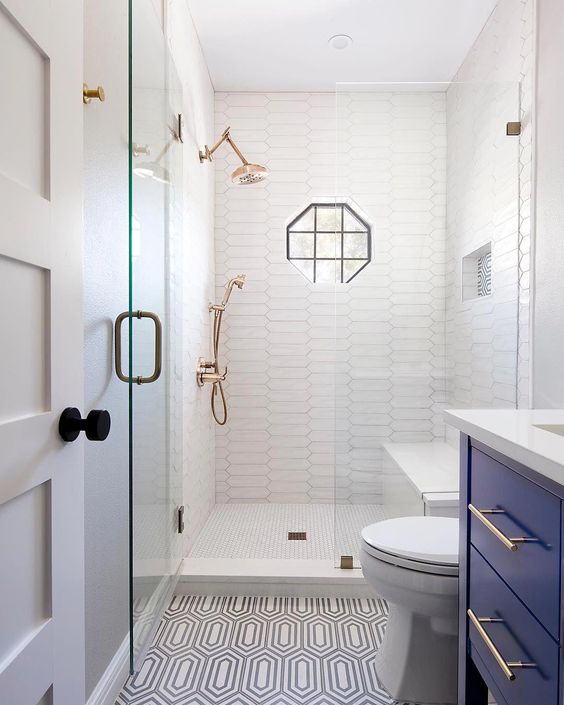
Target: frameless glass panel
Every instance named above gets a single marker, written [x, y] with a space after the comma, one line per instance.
[431, 320]
[155, 404]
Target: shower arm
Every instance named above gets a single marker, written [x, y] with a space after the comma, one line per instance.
[207, 153]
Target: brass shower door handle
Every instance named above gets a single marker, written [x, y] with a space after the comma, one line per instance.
[158, 346]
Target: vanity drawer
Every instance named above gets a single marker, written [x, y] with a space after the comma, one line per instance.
[522, 510]
[518, 637]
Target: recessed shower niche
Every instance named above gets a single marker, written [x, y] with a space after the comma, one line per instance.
[477, 273]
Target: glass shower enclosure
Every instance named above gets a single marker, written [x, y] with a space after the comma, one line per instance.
[432, 321]
[151, 326]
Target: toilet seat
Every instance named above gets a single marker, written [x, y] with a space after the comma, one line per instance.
[424, 544]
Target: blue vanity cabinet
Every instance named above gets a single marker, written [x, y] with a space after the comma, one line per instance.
[510, 622]
[516, 634]
[524, 510]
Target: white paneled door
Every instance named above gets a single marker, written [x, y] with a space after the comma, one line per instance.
[41, 478]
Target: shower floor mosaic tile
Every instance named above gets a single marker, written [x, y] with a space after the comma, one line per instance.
[241, 531]
[263, 651]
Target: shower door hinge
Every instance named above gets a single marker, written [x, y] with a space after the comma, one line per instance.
[180, 517]
[347, 563]
[180, 127]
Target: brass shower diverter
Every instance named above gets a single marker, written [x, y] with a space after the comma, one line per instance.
[203, 376]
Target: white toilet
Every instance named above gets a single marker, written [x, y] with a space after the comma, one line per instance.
[412, 562]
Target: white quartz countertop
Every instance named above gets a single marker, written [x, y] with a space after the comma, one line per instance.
[515, 434]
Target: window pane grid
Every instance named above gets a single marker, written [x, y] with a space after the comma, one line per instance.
[346, 242]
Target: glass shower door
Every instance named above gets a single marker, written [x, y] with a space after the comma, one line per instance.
[154, 326]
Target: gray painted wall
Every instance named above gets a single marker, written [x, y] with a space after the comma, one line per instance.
[548, 325]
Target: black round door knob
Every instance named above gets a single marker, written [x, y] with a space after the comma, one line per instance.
[96, 425]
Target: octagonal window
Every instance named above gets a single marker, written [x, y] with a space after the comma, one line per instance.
[329, 243]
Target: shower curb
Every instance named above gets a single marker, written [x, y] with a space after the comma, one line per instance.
[270, 578]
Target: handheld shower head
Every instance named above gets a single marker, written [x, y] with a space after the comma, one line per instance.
[238, 281]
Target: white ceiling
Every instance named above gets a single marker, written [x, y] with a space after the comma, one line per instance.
[276, 45]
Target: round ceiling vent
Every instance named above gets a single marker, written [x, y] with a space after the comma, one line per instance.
[340, 42]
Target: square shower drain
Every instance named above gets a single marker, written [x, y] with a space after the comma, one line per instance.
[297, 536]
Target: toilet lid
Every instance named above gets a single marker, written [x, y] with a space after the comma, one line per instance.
[428, 539]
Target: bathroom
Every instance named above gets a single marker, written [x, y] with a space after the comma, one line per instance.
[302, 294]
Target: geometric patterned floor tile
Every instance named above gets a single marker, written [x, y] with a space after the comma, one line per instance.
[262, 651]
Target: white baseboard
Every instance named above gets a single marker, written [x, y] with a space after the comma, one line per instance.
[113, 678]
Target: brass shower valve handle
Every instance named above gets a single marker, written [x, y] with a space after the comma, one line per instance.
[205, 377]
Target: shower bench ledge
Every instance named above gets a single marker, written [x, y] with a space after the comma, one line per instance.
[431, 470]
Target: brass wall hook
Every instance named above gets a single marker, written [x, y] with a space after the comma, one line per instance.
[89, 93]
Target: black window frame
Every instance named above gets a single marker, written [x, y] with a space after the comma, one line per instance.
[343, 206]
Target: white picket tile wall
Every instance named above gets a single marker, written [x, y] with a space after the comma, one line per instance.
[314, 369]
[320, 376]
[489, 199]
[198, 436]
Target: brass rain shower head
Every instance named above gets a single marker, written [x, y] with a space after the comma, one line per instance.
[247, 173]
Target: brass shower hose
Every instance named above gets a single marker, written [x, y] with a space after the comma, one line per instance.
[217, 386]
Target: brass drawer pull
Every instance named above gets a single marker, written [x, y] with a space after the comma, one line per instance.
[158, 346]
[505, 666]
[510, 543]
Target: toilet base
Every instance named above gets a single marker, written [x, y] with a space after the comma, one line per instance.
[426, 671]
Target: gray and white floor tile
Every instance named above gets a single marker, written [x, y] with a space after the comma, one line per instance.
[263, 651]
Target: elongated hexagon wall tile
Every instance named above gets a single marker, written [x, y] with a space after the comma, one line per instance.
[386, 152]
